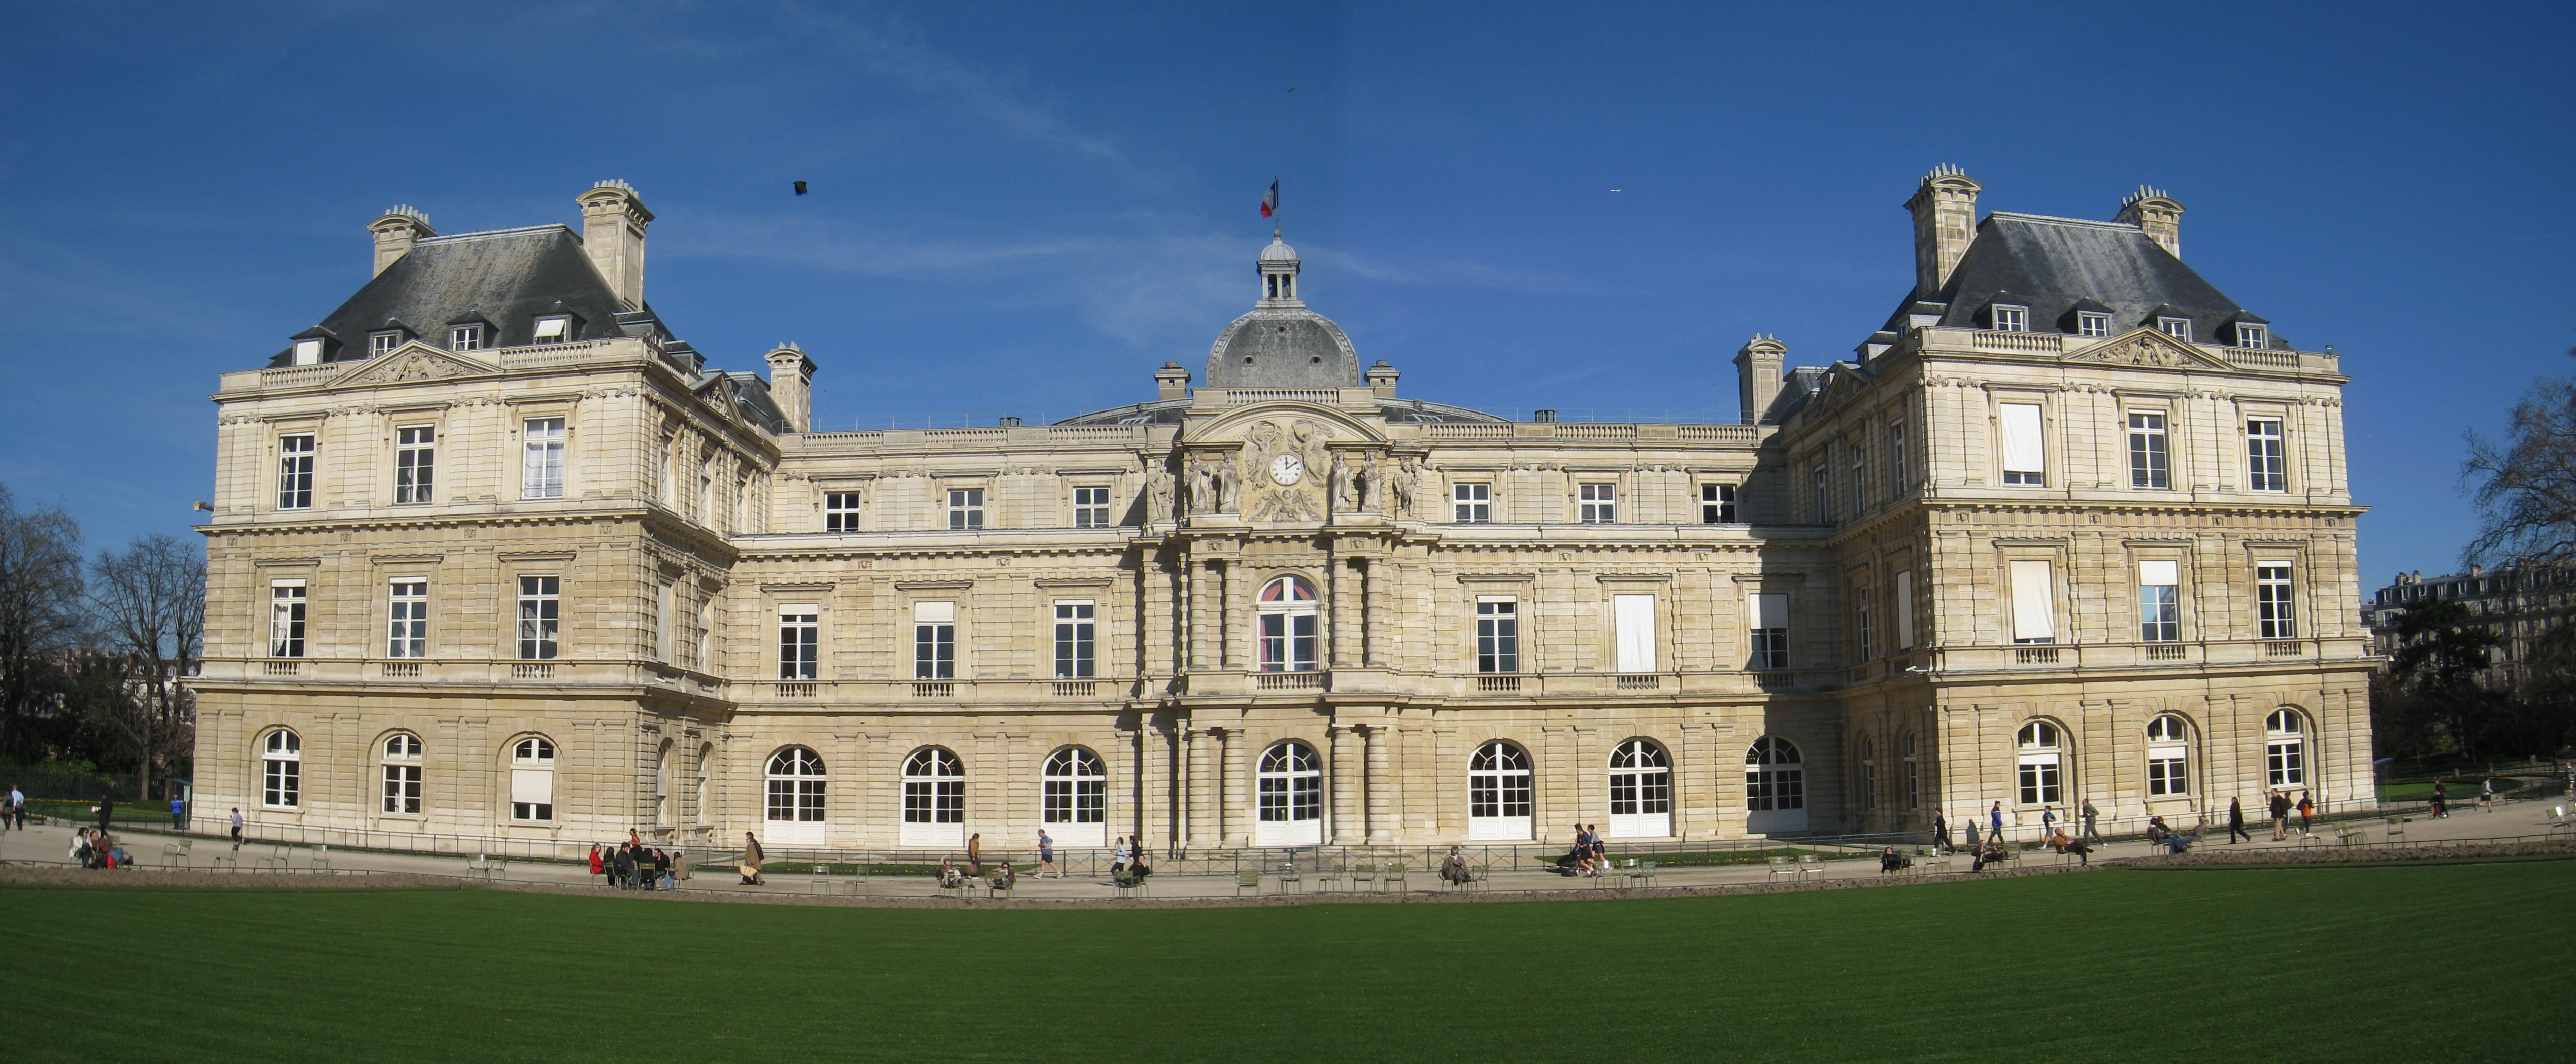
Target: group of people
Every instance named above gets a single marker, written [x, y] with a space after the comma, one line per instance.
[634, 866]
[95, 848]
[2161, 833]
[1588, 856]
[1129, 868]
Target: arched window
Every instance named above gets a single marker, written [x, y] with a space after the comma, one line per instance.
[1868, 774]
[1641, 790]
[1284, 622]
[795, 798]
[1775, 786]
[532, 779]
[401, 766]
[2040, 762]
[1291, 791]
[1076, 805]
[2168, 757]
[1913, 774]
[281, 770]
[934, 798]
[1499, 792]
[2285, 749]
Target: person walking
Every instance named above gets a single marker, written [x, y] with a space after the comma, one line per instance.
[1940, 832]
[2047, 821]
[2236, 822]
[975, 856]
[2486, 795]
[237, 829]
[751, 857]
[106, 811]
[15, 812]
[2280, 815]
[2091, 814]
[2441, 801]
[2307, 813]
[1995, 829]
[1122, 853]
[1046, 856]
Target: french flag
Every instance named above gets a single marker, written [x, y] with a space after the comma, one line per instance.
[1270, 199]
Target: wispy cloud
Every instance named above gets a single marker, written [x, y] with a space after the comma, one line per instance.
[1453, 273]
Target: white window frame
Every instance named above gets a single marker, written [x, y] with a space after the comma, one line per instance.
[1641, 789]
[307, 353]
[286, 600]
[2092, 323]
[2254, 336]
[1285, 628]
[2168, 757]
[465, 338]
[1597, 503]
[965, 509]
[407, 617]
[281, 770]
[2040, 761]
[1898, 475]
[795, 804]
[1073, 797]
[1868, 751]
[1077, 638]
[1775, 785]
[2276, 600]
[1767, 626]
[400, 757]
[295, 470]
[2266, 466]
[2009, 318]
[800, 641]
[1091, 506]
[2285, 749]
[1824, 494]
[540, 616]
[541, 465]
[1717, 504]
[2159, 600]
[1859, 478]
[552, 329]
[383, 343]
[1860, 621]
[532, 780]
[934, 640]
[1502, 797]
[1913, 773]
[2150, 449]
[1472, 502]
[415, 464]
[840, 511]
[2022, 431]
[2178, 328]
[1498, 634]
[1288, 791]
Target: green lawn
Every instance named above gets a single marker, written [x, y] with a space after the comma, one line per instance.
[2301, 963]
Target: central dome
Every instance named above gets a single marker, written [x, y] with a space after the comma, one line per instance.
[1283, 347]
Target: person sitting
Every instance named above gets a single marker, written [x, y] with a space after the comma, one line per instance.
[1010, 876]
[2156, 829]
[949, 876]
[1453, 868]
[1891, 861]
[2063, 844]
[1992, 854]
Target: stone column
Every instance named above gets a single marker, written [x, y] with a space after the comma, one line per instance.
[1187, 655]
[1340, 814]
[1381, 785]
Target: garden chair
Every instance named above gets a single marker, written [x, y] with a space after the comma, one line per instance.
[1393, 878]
[2397, 830]
[1642, 874]
[821, 881]
[1247, 879]
[274, 860]
[1480, 877]
[176, 854]
[1000, 886]
[1330, 875]
[1363, 875]
[1288, 878]
[479, 865]
[319, 860]
[1780, 866]
[1811, 865]
[856, 883]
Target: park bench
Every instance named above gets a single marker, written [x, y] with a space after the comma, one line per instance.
[1926, 863]
[822, 881]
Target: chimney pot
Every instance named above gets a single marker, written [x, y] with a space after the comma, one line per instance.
[396, 231]
[1945, 221]
[791, 385]
[2155, 214]
[613, 220]
[1171, 382]
[1757, 376]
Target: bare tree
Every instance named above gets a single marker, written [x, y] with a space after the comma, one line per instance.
[40, 617]
[151, 610]
[2526, 488]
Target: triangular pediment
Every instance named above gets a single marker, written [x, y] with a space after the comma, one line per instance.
[414, 361]
[2147, 347]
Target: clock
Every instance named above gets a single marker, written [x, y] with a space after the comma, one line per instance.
[1287, 469]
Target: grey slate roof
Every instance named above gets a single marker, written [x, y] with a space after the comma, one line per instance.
[1283, 348]
[2049, 264]
[506, 278]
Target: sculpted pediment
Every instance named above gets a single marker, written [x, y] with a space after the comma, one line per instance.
[1294, 465]
[414, 361]
[2147, 347]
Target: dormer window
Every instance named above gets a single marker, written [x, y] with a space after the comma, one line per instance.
[383, 342]
[465, 337]
[2011, 318]
[2251, 335]
[2092, 323]
[2178, 328]
[308, 352]
[554, 328]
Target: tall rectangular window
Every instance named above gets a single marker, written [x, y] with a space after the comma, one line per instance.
[286, 619]
[2025, 453]
[1902, 607]
[965, 507]
[707, 489]
[1717, 504]
[1897, 482]
[541, 467]
[1634, 616]
[800, 641]
[2148, 462]
[1860, 621]
[415, 463]
[1767, 616]
[540, 599]
[1498, 634]
[666, 621]
[2159, 602]
[1075, 635]
[2272, 602]
[663, 469]
[934, 640]
[1597, 504]
[407, 619]
[1824, 500]
[2263, 464]
[294, 472]
[840, 511]
[741, 505]
[1091, 507]
[1859, 478]
[2034, 617]
[1474, 502]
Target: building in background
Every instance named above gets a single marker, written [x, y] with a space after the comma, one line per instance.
[2518, 604]
[496, 555]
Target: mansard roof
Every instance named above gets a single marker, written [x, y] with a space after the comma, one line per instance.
[2051, 264]
[507, 277]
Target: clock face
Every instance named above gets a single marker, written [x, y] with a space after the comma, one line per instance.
[1287, 469]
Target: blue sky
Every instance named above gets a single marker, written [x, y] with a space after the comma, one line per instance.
[1025, 209]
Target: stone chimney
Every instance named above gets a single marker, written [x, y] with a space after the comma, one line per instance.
[400, 227]
[1757, 375]
[1381, 379]
[2156, 215]
[613, 220]
[1171, 382]
[1945, 220]
[791, 385]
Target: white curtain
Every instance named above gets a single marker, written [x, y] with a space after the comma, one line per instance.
[1769, 611]
[2033, 606]
[935, 612]
[534, 785]
[1904, 607]
[1635, 617]
[2157, 574]
[2022, 442]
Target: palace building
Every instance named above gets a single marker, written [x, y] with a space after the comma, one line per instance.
[496, 555]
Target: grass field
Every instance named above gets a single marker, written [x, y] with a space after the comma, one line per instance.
[2287, 964]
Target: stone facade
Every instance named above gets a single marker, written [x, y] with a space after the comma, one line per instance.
[1111, 625]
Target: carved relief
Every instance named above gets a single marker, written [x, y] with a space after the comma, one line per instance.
[2144, 349]
[1279, 473]
[411, 365]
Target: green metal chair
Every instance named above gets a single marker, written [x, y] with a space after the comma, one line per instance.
[1393, 878]
[1247, 879]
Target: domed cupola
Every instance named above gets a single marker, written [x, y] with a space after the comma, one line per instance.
[1281, 344]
